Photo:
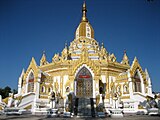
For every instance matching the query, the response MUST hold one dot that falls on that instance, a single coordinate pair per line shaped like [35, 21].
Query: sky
[29, 27]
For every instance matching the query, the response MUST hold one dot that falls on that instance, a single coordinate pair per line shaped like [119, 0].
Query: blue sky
[28, 27]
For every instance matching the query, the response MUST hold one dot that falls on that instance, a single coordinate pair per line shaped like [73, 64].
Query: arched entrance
[84, 92]
[84, 84]
[137, 83]
[31, 82]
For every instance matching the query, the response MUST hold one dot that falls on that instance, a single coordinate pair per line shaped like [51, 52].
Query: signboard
[84, 76]
[31, 80]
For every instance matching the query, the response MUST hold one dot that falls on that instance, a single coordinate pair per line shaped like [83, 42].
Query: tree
[5, 92]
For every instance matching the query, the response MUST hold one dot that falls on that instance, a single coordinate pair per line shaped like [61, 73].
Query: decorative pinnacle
[102, 44]
[66, 46]
[44, 52]
[84, 11]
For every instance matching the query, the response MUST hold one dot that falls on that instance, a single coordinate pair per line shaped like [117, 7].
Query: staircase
[2, 105]
[139, 96]
[27, 100]
[92, 107]
[84, 107]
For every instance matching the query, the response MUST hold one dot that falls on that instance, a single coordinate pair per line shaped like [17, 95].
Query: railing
[26, 100]
[3, 105]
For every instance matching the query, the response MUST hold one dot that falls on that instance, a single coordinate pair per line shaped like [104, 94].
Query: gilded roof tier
[84, 29]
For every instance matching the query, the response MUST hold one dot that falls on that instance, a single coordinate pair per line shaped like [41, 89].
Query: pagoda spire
[66, 46]
[43, 60]
[84, 11]
[102, 45]
[125, 59]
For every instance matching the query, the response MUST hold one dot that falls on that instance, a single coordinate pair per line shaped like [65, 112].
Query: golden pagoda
[84, 72]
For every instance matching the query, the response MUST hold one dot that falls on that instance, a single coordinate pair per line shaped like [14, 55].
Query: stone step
[84, 107]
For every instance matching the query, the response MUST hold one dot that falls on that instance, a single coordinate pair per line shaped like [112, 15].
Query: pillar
[130, 84]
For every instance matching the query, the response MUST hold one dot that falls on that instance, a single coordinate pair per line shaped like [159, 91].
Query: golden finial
[102, 45]
[66, 46]
[125, 59]
[43, 59]
[84, 11]
[44, 52]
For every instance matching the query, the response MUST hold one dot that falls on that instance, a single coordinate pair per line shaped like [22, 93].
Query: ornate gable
[84, 59]
[32, 66]
[43, 60]
[135, 65]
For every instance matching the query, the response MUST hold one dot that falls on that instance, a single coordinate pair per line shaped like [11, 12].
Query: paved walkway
[32, 117]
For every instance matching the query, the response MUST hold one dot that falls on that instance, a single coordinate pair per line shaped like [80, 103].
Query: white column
[142, 83]
[20, 85]
[117, 103]
[150, 90]
[38, 86]
[149, 83]
[52, 104]
[19, 89]
[75, 85]
[65, 78]
[20, 82]
[94, 93]
[103, 78]
[142, 87]
[100, 101]
[59, 79]
[122, 88]
[65, 101]
[130, 84]
[111, 100]
[26, 91]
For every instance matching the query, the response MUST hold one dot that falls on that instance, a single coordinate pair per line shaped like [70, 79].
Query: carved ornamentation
[43, 60]
[134, 67]
[56, 58]
[125, 59]
[112, 58]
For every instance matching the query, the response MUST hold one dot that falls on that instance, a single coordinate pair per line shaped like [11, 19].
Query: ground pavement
[32, 117]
